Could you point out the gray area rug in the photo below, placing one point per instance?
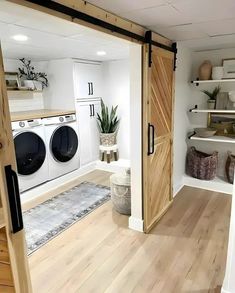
(50, 218)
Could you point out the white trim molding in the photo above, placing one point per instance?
(136, 224)
(229, 280)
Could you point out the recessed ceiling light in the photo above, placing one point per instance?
(20, 38)
(101, 53)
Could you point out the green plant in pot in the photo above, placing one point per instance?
(108, 123)
(32, 80)
(211, 102)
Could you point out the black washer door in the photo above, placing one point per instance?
(64, 144)
(30, 152)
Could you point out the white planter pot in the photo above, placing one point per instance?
(38, 85)
(217, 72)
(108, 139)
(211, 104)
(29, 84)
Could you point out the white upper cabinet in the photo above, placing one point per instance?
(87, 80)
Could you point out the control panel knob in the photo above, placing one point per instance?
(61, 119)
(21, 124)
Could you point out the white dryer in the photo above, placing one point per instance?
(62, 144)
(31, 156)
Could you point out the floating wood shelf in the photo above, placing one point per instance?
(2, 221)
(214, 138)
(23, 91)
(197, 82)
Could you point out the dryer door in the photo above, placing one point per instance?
(30, 152)
(64, 143)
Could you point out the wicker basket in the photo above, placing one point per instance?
(108, 139)
(229, 167)
(201, 165)
(121, 192)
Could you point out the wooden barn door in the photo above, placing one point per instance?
(157, 133)
(14, 272)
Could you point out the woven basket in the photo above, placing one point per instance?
(229, 167)
(108, 139)
(201, 165)
(121, 192)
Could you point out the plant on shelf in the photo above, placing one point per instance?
(211, 102)
(108, 124)
(32, 80)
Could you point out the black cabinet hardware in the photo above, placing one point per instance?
(91, 111)
(89, 88)
(14, 199)
(93, 107)
(92, 91)
(150, 139)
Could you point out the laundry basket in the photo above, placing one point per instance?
(121, 192)
(201, 165)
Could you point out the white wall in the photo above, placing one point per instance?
(116, 85)
(136, 219)
(181, 120)
(229, 280)
(19, 101)
(60, 93)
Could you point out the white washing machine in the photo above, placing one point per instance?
(62, 144)
(31, 156)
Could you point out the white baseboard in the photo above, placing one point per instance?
(49, 186)
(115, 166)
(177, 189)
(216, 185)
(225, 291)
(136, 224)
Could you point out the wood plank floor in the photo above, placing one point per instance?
(186, 252)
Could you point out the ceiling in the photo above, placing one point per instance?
(199, 24)
(52, 38)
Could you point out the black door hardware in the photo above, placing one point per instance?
(14, 199)
(150, 139)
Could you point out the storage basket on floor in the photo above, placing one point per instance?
(121, 192)
(201, 165)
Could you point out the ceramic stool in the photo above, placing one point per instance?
(109, 150)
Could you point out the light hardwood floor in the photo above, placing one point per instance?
(186, 252)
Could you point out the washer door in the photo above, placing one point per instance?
(30, 152)
(64, 144)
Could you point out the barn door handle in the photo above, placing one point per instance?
(150, 139)
(14, 199)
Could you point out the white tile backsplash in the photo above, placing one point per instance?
(21, 101)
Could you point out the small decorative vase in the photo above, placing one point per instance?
(229, 167)
(205, 70)
(211, 104)
(29, 84)
(38, 85)
(217, 72)
(108, 139)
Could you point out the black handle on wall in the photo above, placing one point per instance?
(150, 139)
(89, 88)
(14, 199)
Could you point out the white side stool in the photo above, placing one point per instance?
(108, 150)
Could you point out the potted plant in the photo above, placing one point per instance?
(108, 125)
(211, 102)
(33, 80)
